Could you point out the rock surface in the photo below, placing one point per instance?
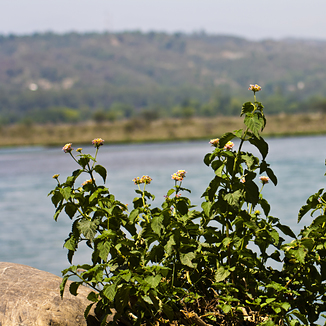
(30, 297)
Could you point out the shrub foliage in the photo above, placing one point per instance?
(180, 264)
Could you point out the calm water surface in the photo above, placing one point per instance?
(29, 235)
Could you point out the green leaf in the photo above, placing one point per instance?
(71, 242)
(104, 249)
(303, 211)
(101, 171)
(234, 198)
(66, 192)
(299, 254)
(58, 211)
(265, 205)
(206, 206)
(221, 274)
(300, 316)
(88, 228)
(153, 281)
(70, 209)
(228, 136)
(254, 122)
(169, 245)
(182, 207)
(271, 175)
(285, 305)
(226, 308)
(56, 198)
(83, 161)
(63, 284)
(157, 224)
(286, 230)
(74, 287)
(252, 192)
(122, 297)
(208, 158)
(319, 220)
(170, 192)
(260, 144)
(109, 291)
(186, 259)
(168, 311)
(88, 309)
(247, 107)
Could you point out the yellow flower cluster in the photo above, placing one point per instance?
(144, 179)
(67, 148)
(264, 179)
(179, 175)
(255, 88)
(97, 142)
(214, 142)
(229, 145)
(87, 182)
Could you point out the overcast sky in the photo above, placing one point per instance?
(256, 20)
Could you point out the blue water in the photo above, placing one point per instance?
(29, 235)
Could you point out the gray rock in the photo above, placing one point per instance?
(30, 297)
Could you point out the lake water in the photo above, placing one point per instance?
(29, 235)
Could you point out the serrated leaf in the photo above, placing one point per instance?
(234, 198)
(109, 291)
(247, 107)
(153, 281)
(226, 308)
(186, 259)
(83, 161)
(286, 306)
(66, 192)
(254, 122)
(303, 211)
(221, 274)
(104, 249)
(88, 228)
(71, 242)
(299, 254)
(157, 224)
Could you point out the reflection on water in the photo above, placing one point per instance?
(30, 236)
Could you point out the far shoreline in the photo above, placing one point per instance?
(136, 131)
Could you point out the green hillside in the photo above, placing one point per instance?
(74, 77)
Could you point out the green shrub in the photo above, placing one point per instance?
(212, 266)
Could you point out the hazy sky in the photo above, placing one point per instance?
(251, 19)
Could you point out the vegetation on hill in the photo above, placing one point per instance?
(76, 77)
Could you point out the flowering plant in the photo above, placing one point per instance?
(176, 264)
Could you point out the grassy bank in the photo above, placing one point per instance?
(135, 130)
